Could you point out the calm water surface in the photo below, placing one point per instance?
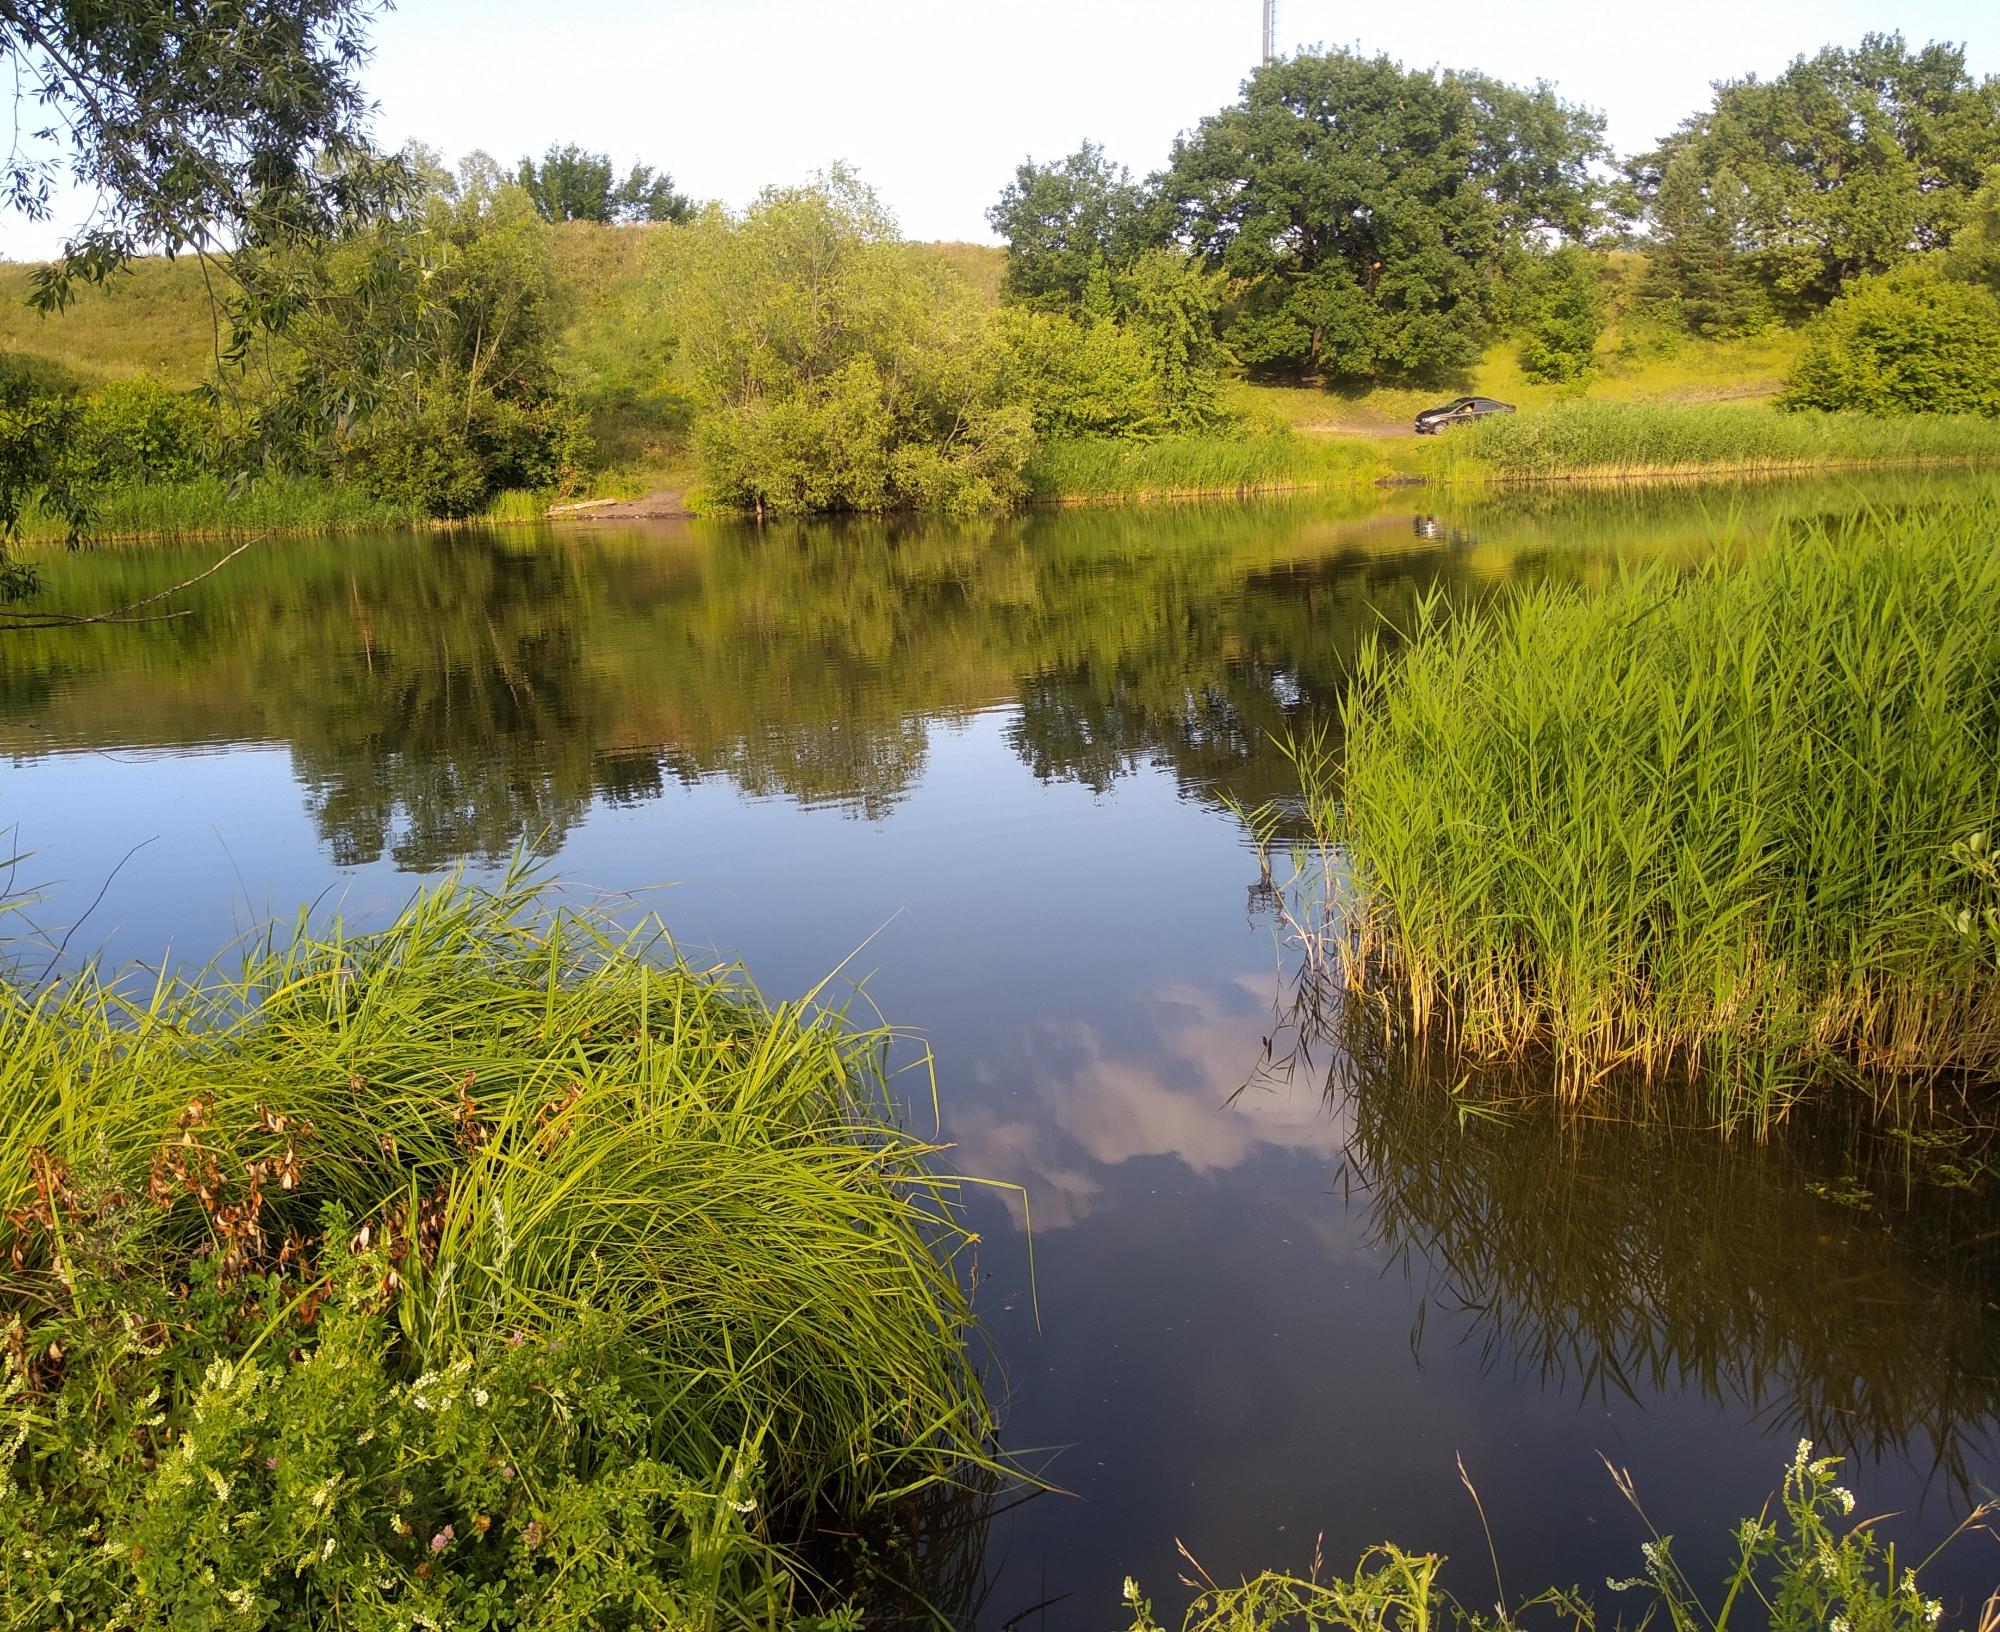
(1000, 761)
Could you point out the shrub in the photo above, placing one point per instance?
(1089, 378)
(835, 367)
(1906, 342)
(1562, 310)
(436, 458)
(141, 431)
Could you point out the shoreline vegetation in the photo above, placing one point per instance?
(1584, 442)
(1735, 828)
(496, 1253)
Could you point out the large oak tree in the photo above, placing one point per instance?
(1367, 210)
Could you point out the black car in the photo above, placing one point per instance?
(1459, 411)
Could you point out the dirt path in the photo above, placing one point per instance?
(669, 504)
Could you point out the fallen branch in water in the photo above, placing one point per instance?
(123, 614)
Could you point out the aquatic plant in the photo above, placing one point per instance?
(1719, 824)
(488, 1127)
(1633, 439)
(1799, 1566)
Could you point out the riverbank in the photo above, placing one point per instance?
(497, 1247)
(1577, 442)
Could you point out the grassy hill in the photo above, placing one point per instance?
(153, 319)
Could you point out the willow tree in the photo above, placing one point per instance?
(190, 127)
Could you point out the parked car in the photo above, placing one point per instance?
(1459, 411)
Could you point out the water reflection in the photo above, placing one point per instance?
(452, 697)
(1836, 1285)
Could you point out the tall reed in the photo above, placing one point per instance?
(1738, 823)
(1612, 439)
(214, 507)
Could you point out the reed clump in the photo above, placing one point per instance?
(1611, 440)
(492, 1153)
(1738, 824)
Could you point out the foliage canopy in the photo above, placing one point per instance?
(1847, 163)
(572, 185)
(837, 367)
(1365, 208)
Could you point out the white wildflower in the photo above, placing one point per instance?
(218, 1484)
(326, 1552)
(1845, 1497)
(1837, 1624)
(481, 1398)
(1131, 1590)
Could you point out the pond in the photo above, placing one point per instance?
(991, 772)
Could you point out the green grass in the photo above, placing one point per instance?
(1198, 466)
(1635, 364)
(1606, 439)
(1738, 825)
(213, 507)
(153, 319)
(543, 1113)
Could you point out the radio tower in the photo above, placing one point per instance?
(1270, 30)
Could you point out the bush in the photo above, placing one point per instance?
(212, 1482)
(835, 367)
(1089, 378)
(1906, 342)
(1561, 311)
(141, 431)
(435, 459)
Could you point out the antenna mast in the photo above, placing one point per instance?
(1270, 30)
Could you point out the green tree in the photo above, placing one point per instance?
(1975, 250)
(1075, 377)
(1170, 304)
(1847, 163)
(572, 185)
(1560, 309)
(1365, 208)
(425, 352)
(1699, 276)
(196, 128)
(1062, 220)
(1911, 341)
(835, 366)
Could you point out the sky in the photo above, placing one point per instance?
(935, 104)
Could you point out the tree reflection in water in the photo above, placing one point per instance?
(1602, 1257)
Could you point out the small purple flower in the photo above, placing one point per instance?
(442, 1539)
(533, 1534)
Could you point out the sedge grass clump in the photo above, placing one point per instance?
(485, 1130)
(1738, 823)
